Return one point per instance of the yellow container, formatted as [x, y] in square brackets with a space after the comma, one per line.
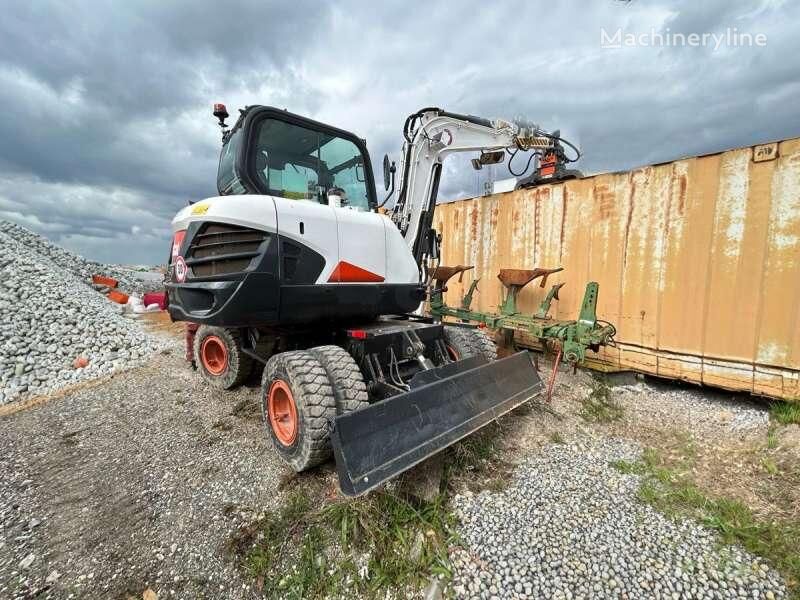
[698, 262]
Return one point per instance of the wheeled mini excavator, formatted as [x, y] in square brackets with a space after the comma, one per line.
[294, 266]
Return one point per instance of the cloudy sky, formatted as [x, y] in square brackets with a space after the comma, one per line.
[106, 127]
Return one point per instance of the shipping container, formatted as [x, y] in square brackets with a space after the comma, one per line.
[697, 260]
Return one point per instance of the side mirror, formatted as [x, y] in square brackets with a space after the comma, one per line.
[388, 171]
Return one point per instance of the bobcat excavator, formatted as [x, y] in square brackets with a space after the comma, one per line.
[294, 266]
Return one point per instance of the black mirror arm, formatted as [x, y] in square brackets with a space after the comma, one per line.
[391, 190]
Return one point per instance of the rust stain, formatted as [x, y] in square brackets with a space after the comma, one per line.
[564, 194]
[628, 220]
[605, 199]
[683, 183]
[668, 214]
[473, 226]
[537, 227]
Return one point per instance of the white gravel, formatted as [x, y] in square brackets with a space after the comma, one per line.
[51, 315]
[570, 526]
[701, 411]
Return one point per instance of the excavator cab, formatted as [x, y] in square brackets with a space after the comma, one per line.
[276, 153]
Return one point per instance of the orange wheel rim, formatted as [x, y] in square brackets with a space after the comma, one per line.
[282, 412]
[452, 352]
[214, 355]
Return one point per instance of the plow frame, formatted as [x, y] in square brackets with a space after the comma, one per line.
[572, 337]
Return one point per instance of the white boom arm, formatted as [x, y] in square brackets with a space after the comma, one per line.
[438, 135]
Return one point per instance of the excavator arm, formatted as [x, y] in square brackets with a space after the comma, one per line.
[433, 134]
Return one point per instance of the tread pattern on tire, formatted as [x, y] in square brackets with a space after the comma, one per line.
[349, 388]
[470, 341]
[240, 365]
[316, 405]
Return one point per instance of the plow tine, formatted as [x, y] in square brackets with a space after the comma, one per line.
[381, 441]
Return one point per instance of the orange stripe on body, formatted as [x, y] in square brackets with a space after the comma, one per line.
[349, 273]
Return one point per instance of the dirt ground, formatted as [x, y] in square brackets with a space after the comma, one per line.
[132, 484]
[140, 482]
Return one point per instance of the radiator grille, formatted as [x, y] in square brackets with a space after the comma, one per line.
[221, 249]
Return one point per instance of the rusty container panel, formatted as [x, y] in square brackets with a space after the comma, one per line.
[698, 262]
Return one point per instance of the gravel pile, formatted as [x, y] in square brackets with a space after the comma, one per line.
[71, 262]
[570, 526]
[51, 316]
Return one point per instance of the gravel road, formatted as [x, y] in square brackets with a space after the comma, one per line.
[132, 484]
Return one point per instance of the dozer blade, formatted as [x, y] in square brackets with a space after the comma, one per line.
[381, 441]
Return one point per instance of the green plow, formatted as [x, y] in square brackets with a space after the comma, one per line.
[571, 339]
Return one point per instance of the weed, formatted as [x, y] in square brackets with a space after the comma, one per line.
[785, 413]
[373, 542]
[772, 437]
[673, 494]
[557, 438]
[629, 467]
[598, 406]
[769, 466]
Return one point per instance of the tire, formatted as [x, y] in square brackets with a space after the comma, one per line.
[349, 388]
[463, 342]
[297, 380]
[219, 357]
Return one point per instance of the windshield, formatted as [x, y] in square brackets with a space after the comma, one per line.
[296, 162]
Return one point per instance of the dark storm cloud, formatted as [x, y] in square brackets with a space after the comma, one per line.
[106, 132]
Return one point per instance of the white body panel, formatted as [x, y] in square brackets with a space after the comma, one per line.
[400, 264]
[361, 240]
[367, 240]
[318, 231]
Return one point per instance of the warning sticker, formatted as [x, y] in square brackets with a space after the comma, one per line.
[200, 208]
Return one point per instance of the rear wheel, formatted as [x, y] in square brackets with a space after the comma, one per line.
[348, 384]
[219, 357]
[463, 342]
[296, 403]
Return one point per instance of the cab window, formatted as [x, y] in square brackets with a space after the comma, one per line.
[300, 163]
[228, 181]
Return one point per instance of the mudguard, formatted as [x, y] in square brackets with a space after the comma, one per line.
[445, 405]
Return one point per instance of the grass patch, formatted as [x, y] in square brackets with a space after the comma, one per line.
[557, 438]
[349, 547]
[785, 413]
[770, 466]
[674, 494]
[772, 438]
[598, 406]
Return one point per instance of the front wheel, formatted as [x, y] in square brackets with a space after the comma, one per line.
[349, 388]
[297, 402]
